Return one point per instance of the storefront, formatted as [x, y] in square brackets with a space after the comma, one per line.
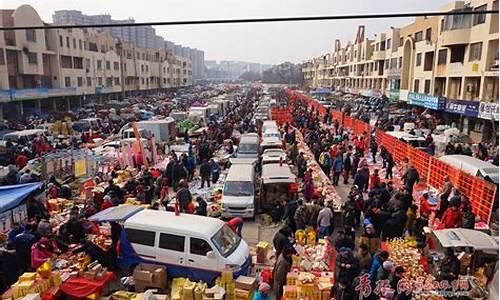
[488, 112]
[464, 114]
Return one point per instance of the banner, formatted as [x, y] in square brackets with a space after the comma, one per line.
[462, 107]
[4, 95]
[424, 100]
[488, 111]
[29, 94]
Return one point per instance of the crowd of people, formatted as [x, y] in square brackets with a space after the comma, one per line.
[375, 211]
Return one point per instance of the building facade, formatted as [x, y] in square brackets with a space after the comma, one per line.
[57, 69]
[447, 63]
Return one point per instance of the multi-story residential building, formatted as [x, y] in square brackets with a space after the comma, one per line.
[61, 68]
[447, 63]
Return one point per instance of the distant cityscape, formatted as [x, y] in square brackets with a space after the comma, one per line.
[231, 70]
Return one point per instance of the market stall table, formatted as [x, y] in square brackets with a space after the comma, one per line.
[79, 287]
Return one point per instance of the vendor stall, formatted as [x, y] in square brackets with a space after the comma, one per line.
[12, 204]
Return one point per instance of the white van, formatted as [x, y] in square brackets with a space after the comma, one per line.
[190, 246]
[269, 124]
[473, 166]
[238, 193]
[249, 146]
[24, 136]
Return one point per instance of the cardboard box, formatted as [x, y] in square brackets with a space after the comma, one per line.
[150, 275]
[245, 283]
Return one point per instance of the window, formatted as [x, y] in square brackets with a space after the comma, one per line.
[475, 51]
[77, 62]
[171, 242]
[428, 34]
[457, 53]
[382, 46]
[125, 67]
[30, 35]
[419, 59]
[67, 42]
[142, 80]
[99, 81]
[108, 65]
[32, 58]
[147, 68]
[109, 81]
[400, 41]
[99, 64]
[2, 59]
[442, 56]
[84, 45]
[74, 43]
[116, 66]
[79, 81]
[89, 81]
[400, 62]
[386, 64]
[142, 68]
[427, 86]
[93, 47]
[67, 81]
[429, 61]
[61, 44]
[143, 56]
[418, 36]
[388, 44]
[415, 87]
[143, 237]
[103, 49]
[479, 18]
[117, 81]
[87, 63]
[198, 246]
[80, 44]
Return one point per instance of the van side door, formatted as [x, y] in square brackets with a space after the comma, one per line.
[143, 242]
[171, 249]
[197, 255]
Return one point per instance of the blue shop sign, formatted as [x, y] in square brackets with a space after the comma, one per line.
[29, 94]
[432, 102]
[4, 95]
[467, 108]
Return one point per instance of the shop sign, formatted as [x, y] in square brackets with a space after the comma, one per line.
[29, 94]
[403, 95]
[488, 111]
[103, 90]
[4, 95]
[394, 95]
[394, 73]
[424, 100]
[462, 107]
[62, 92]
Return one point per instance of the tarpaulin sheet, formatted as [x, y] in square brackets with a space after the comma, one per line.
[13, 195]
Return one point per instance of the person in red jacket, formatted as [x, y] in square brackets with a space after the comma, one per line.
[374, 179]
[21, 160]
[236, 224]
[452, 217]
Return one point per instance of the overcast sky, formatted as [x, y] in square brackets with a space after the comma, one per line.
[266, 42]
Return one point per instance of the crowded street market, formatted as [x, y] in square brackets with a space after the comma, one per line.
[154, 196]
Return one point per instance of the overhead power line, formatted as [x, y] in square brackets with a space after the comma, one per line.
[256, 20]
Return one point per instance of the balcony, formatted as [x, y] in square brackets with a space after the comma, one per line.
[455, 37]
[455, 69]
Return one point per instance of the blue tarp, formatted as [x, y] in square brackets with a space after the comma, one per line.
[12, 195]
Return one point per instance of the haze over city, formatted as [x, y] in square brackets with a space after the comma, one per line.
[268, 43]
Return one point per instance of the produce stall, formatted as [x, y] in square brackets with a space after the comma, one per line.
[322, 184]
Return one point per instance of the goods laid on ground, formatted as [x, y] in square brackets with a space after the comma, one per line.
[322, 184]
[300, 285]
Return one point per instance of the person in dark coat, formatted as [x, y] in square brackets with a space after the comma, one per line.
[281, 239]
[23, 243]
[450, 266]
[390, 165]
[201, 210]
[346, 267]
[184, 196]
[205, 172]
[289, 215]
[343, 241]
[281, 269]
[410, 178]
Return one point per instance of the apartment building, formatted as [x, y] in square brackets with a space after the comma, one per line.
[59, 69]
[447, 63]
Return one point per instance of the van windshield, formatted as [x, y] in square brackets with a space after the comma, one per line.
[238, 188]
[248, 148]
[226, 241]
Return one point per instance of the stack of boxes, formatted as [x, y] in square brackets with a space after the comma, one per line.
[244, 287]
[150, 276]
[225, 281]
[317, 288]
[32, 283]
